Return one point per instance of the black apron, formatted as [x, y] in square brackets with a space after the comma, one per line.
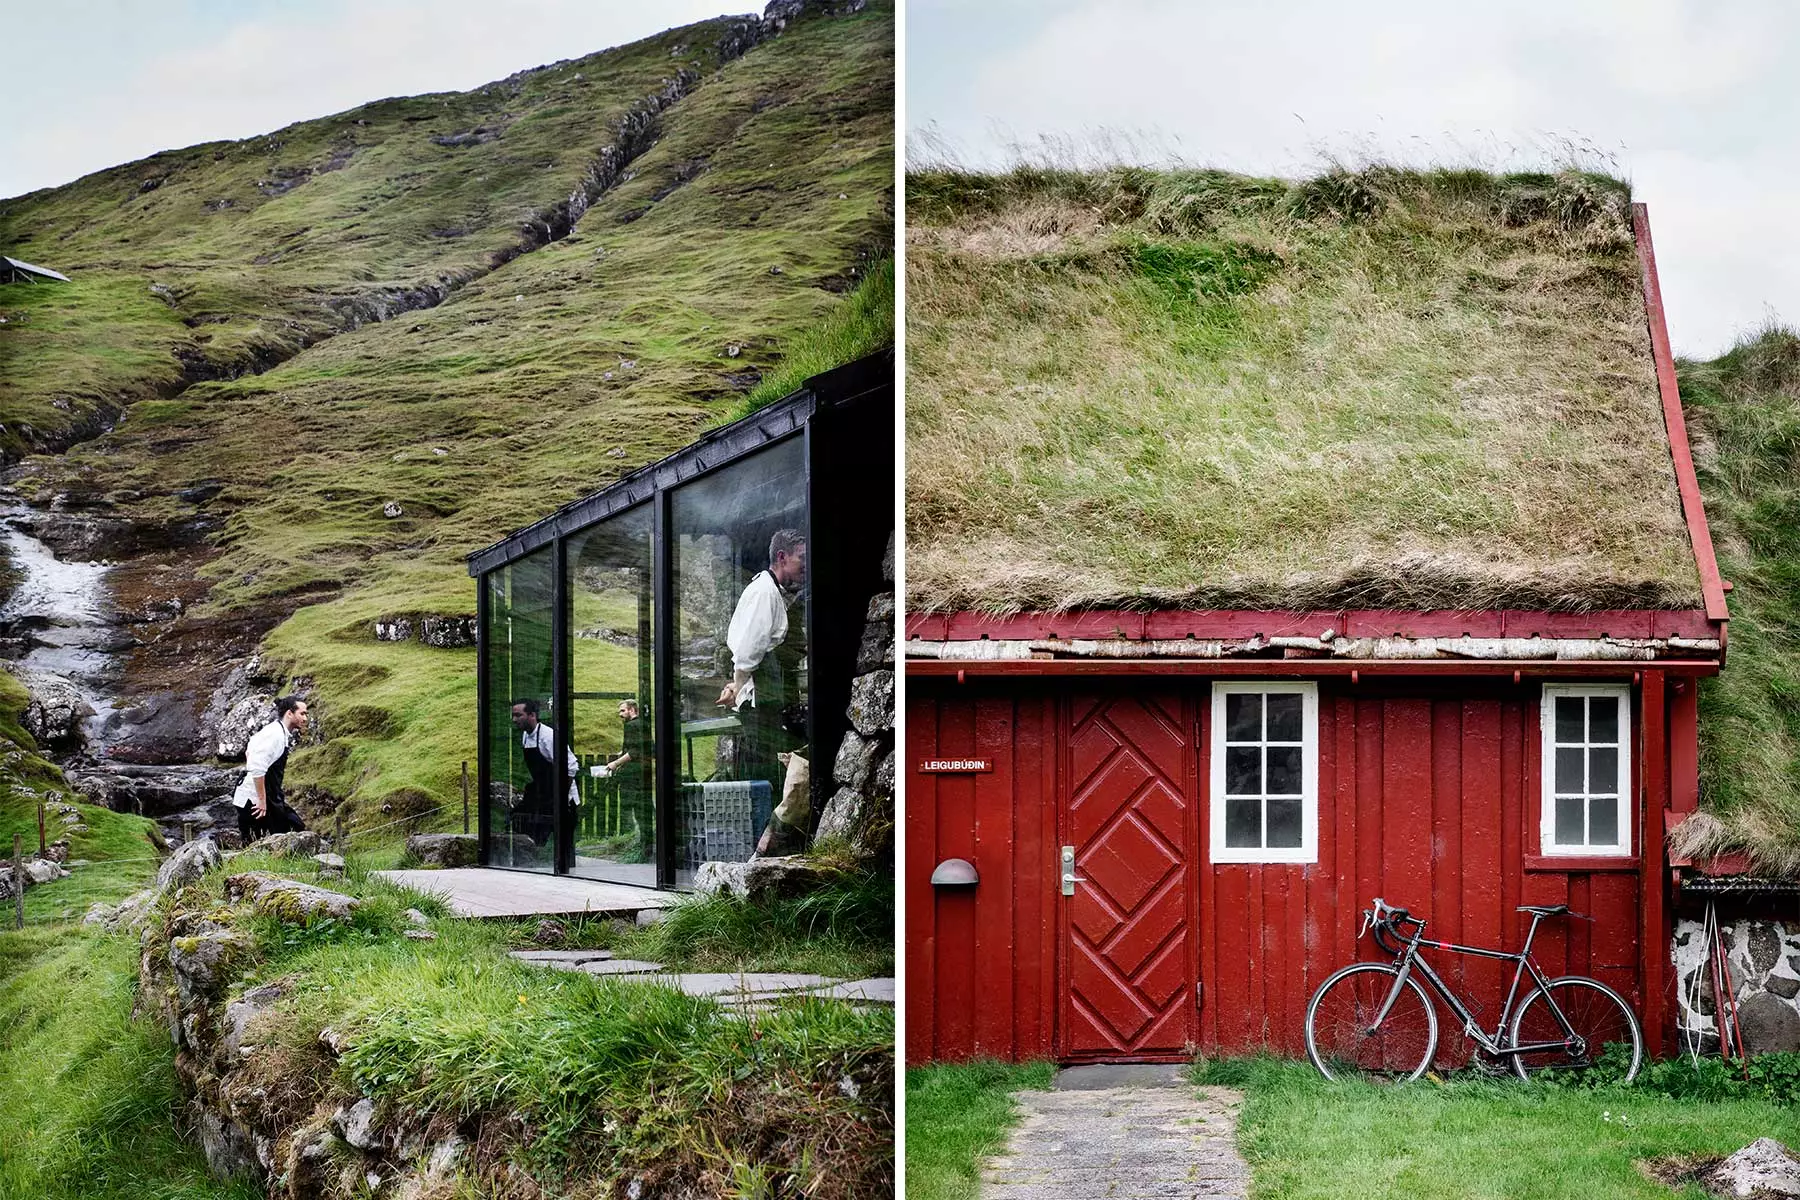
[278, 817]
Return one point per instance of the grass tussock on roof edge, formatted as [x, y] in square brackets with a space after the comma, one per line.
[1375, 388]
[1743, 411]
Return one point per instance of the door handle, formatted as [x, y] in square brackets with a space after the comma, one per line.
[1069, 877]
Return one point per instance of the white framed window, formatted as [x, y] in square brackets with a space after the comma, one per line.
[1586, 769]
[1265, 772]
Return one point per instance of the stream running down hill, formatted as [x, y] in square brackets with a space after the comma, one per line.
[61, 633]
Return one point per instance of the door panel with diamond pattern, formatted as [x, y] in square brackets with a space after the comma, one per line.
[1128, 978]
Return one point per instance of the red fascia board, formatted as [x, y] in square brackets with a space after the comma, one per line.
[1235, 624]
[1265, 667]
[1712, 589]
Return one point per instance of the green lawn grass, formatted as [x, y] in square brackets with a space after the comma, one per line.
[1305, 1137]
[957, 1114]
[91, 1106]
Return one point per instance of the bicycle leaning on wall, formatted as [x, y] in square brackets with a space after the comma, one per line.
[1374, 1021]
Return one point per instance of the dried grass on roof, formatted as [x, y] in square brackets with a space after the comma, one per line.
[1369, 389]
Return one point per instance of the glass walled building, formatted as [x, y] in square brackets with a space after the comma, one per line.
[662, 661]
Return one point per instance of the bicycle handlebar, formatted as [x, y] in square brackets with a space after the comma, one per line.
[1385, 919]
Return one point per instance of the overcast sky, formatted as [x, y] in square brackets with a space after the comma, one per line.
[89, 84]
[1696, 103]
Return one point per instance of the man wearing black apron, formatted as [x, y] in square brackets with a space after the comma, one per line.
[535, 815]
[261, 808]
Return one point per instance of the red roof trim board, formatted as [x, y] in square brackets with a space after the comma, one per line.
[1712, 588]
[1232, 624]
[1265, 667]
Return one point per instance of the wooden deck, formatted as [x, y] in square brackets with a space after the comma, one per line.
[486, 892]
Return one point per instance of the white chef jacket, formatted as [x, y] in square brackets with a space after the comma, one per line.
[543, 741]
[758, 625]
[266, 745]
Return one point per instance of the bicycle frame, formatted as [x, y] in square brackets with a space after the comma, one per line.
[1409, 958]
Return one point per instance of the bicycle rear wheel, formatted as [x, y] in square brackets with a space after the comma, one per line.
[1340, 1039]
[1602, 1034]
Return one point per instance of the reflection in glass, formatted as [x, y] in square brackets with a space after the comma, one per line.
[1284, 822]
[1285, 716]
[740, 570]
[610, 660]
[1568, 820]
[1243, 771]
[1243, 717]
[1243, 822]
[524, 780]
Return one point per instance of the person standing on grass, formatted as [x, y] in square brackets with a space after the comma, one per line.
[261, 808]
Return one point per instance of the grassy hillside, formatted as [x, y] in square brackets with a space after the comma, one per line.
[1743, 409]
[752, 222]
[1384, 389]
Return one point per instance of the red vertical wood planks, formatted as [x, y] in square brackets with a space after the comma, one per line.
[1655, 936]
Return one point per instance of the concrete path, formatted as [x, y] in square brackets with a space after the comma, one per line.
[1158, 1139]
[488, 892]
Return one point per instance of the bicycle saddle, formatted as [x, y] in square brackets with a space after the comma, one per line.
[1545, 910]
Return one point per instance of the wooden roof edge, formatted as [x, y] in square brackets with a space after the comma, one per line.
[1712, 587]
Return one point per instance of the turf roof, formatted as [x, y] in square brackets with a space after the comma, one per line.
[1381, 389]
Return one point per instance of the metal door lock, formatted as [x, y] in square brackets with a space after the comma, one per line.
[1069, 877]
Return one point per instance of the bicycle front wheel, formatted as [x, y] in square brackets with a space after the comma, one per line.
[1596, 1032]
[1342, 1037]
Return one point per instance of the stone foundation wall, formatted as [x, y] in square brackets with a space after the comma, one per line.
[861, 808]
[1764, 955]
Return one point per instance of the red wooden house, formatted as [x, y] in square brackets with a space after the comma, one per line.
[1145, 829]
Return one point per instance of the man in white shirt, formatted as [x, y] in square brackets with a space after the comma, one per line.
[261, 808]
[760, 622]
[760, 689]
[535, 814]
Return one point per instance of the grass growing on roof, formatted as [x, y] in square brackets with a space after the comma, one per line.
[1306, 1137]
[1369, 389]
[1744, 414]
[957, 1115]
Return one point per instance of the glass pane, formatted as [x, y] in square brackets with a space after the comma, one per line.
[1284, 771]
[1284, 717]
[1243, 823]
[1569, 719]
[740, 571]
[1284, 823]
[1568, 821]
[525, 781]
[1603, 821]
[610, 662]
[1243, 717]
[1603, 718]
[1243, 770]
[1568, 770]
[1603, 771]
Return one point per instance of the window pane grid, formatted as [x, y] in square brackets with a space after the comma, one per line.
[1264, 740]
[1587, 769]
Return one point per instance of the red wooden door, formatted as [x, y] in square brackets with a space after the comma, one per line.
[1127, 961]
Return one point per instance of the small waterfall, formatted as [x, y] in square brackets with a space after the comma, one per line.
[59, 613]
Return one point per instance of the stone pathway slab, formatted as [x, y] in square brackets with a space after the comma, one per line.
[546, 957]
[620, 966]
[1121, 1143]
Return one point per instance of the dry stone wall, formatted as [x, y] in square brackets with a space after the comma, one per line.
[1764, 957]
[861, 808]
